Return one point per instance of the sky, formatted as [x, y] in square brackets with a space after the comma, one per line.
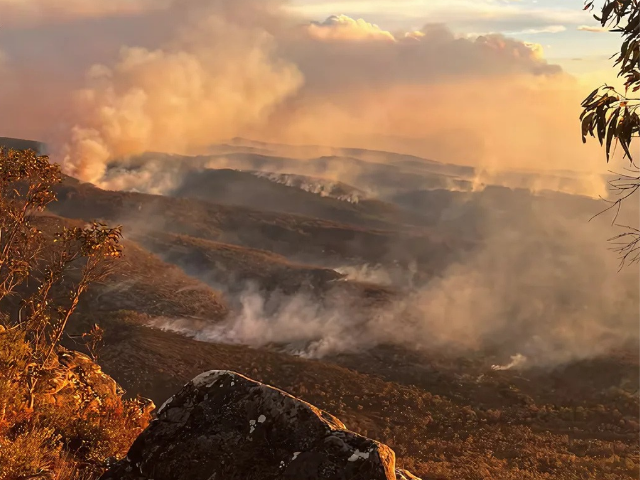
[558, 25]
[492, 83]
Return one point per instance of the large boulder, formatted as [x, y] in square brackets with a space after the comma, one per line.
[224, 426]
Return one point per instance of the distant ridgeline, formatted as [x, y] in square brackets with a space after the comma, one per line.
[19, 144]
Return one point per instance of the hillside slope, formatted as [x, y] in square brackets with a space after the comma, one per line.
[232, 187]
[437, 436]
[447, 414]
[292, 236]
[143, 282]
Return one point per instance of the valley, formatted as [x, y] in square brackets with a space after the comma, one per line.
[214, 278]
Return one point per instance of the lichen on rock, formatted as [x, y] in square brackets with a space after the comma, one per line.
[223, 425]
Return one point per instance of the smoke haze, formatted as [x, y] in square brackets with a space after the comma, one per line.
[104, 82]
[184, 74]
[540, 286]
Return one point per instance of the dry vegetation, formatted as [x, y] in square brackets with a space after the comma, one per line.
[443, 420]
[78, 422]
[447, 418]
[289, 235]
[60, 416]
[220, 263]
[232, 187]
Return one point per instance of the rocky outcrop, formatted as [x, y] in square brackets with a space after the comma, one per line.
[76, 382]
[224, 426]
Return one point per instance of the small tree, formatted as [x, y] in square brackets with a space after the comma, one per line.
[613, 117]
[43, 275]
[47, 274]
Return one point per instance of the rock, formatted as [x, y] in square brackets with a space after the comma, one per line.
[224, 426]
[76, 382]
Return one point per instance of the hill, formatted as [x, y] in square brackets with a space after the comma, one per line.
[232, 187]
[445, 410]
[21, 144]
[293, 236]
[143, 282]
[437, 431]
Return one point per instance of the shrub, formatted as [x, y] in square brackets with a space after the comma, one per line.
[59, 416]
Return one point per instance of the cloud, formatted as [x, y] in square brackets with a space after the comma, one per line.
[195, 72]
[423, 58]
[536, 48]
[342, 27]
[545, 29]
[462, 16]
[594, 29]
[490, 101]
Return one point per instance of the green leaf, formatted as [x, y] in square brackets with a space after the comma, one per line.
[613, 123]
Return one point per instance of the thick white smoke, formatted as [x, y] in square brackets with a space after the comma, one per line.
[178, 75]
[517, 361]
[210, 82]
[541, 285]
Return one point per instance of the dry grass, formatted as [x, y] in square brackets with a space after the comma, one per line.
[64, 436]
[505, 429]
[282, 233]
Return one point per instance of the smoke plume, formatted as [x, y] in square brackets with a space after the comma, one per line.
[103, 84]
[516, 361]
[179, 75]
[540, 286]
[188, 93]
